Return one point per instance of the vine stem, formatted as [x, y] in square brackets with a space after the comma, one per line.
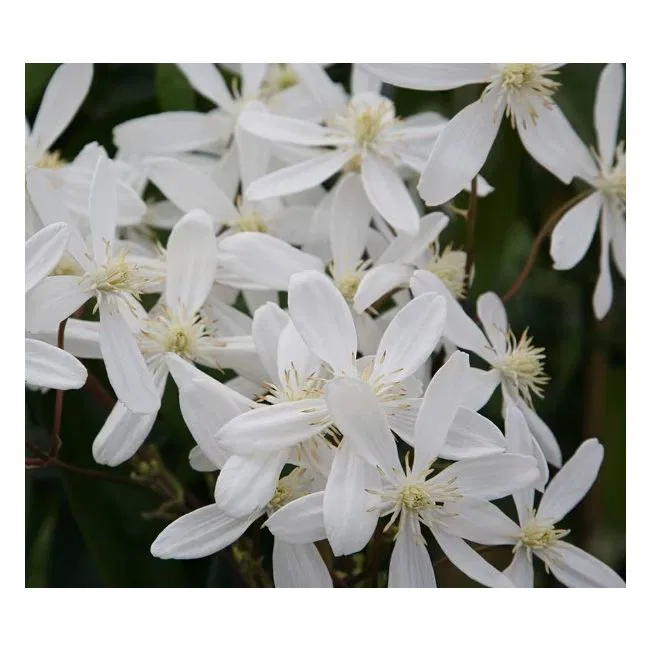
[472, 210]
[55, 444]
[537, 243]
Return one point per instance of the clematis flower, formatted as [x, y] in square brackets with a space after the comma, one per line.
[46, 365]
[537, 534]
[605, 172]
[517, 364]
[366, 137]
[523, 92]
[108, 276]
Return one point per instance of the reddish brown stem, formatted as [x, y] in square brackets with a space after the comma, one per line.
[55, 444]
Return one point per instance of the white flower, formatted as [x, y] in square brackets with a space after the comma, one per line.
[107, 275]
[47, 365]
[517, 364]
[521, 91]
[366, 137]
[537, 533]
[606, 174]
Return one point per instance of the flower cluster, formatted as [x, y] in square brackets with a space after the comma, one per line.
[299, 256]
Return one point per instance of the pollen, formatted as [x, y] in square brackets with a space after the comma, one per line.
[251, 222]
[612, 180]
[415, 498]
[67, 266]
[366, 124]
[523, 365]
[51, 161]
[449, 267]
[537, 536]
[279, 77]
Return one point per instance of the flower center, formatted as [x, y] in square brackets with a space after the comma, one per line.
[365, 124]
[295, 387]
[415, 498]
[612, 181]
[251, 222]
[538, 535]
[51, 161]
[279, 77]
[523, 365]
[449, 266]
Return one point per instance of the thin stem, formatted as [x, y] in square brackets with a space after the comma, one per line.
[537, 243]
[470, 243]
[55, 444]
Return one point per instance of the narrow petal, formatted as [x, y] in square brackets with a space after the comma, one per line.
[206, 79]
[50, 367]
[323, 319]
[197, 534]
[604, 292]
[247, 483]
[607, 109]
[253, 153]
[491, 477]
[573, 234]
[469, 561]
[349, 517]
[357, 413]
[329, 97]
[572, 482]
[268, 322]
[199, 462]
[300, 521]
[265, 260]
[298, 177]
[439, 409]
[349, 223]
[364, 81]
[520, 570]
[379, 282]
[618, 241]
[252, 78]
[299, 566]
[407, 248]
[53, 300]
[494, 319]
[103, 208]
[431, 76]
[482, 522]
[63, 96]
[388, 194]
[273, 428]
[410, 564]
[461, 150]
[126, 369]
[43, 252]
[471, 436]
[191, 262]
[411, 337]
[189, 188]
[542, 434]
[479, 386]
[296, 362]
[576, 568]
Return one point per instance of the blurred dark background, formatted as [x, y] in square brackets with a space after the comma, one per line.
[84, 531]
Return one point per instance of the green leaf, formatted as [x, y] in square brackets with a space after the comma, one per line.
[172, 89]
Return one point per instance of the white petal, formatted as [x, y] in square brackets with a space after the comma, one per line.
[299, 566]
[482, 522]
[300, 521]
[364, 81]
[461, 150]
[542, 434]
[348, 518]
[103, 208]
[431, 76]
[63, 96]
[166, 133]
[607, 110]
[378, 282]
[479, 386]
[573, 234]
[553, 143]
[206, 79]
[439, 409]
[349, 223]
[199, 462]
[471, 436]
[576, 568]
[492, 315]
[268, 322]
[604, 292]
[121, 436]
[191, 262]
[410, 564]
[296, 361]
[126, 369]
[520, 570]
[247, 483]
[253, 154]
[469, 561]
[618, 241]
[48, 366]
[329, 97]
[411, 337]
[275, 427]
[388, 194]
[252, 77]
[53, 300]
[296, 178]
[572, 482]
[290, 130]
[265, 260]
[43, 252]
[407, 248]
[357, 413]
[460, 328]
[323, 319]
[189, 188]
[491, 477]
[199, 533]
